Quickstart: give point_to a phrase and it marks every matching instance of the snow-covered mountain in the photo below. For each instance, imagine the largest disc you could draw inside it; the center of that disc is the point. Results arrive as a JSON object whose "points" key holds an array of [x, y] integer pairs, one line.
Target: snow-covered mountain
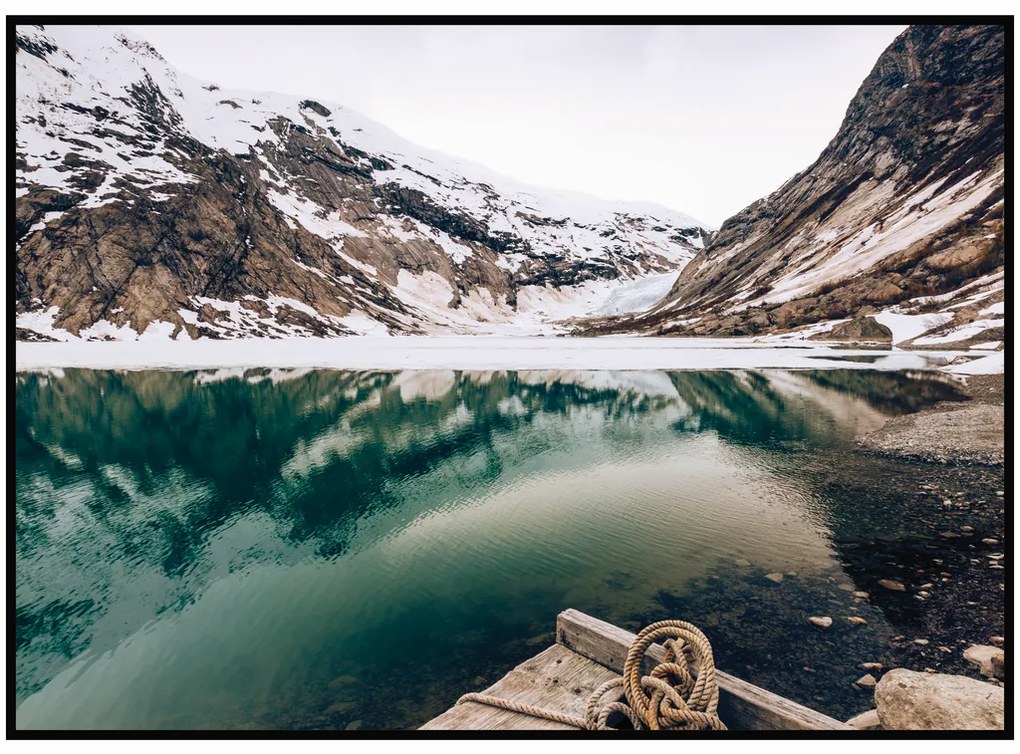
{"points": [[899, 218], [148, 201]]}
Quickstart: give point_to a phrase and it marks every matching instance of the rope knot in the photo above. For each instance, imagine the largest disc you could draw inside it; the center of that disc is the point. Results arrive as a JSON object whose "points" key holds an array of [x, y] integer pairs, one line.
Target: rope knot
{"points": [[680, 693]]}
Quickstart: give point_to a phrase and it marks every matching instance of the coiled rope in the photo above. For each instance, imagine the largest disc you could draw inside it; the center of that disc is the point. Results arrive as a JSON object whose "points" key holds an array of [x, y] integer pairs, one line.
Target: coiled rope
{"points": [[672, 697]]}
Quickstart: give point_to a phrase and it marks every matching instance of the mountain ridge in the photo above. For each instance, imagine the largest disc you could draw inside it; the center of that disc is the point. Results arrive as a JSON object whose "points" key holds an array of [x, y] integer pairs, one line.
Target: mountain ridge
{"points": [[904, 204], [148, 200], [286, 215]]}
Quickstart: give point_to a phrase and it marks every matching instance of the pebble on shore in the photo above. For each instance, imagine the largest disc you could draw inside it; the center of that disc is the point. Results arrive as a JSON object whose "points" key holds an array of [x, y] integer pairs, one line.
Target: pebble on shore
{"points": [[892, 584], [987, 659], [865, 721]]}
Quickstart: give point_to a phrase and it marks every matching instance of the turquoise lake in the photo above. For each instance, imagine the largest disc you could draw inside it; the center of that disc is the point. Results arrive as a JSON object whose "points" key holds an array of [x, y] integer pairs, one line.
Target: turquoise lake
{"points": [[316, 549]]}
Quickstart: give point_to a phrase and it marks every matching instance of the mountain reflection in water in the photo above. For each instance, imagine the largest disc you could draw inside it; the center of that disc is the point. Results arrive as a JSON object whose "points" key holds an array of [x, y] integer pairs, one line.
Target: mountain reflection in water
{"points": [[264, 548]]}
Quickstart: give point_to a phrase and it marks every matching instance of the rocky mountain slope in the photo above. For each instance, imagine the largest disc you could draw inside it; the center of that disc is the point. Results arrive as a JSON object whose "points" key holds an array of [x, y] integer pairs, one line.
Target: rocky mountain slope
{"points": [[150, 202], [900, 217]]}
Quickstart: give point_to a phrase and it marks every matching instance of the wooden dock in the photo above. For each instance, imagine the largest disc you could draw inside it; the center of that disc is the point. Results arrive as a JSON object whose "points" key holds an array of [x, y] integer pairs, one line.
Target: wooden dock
{"points": [[589, 652]]}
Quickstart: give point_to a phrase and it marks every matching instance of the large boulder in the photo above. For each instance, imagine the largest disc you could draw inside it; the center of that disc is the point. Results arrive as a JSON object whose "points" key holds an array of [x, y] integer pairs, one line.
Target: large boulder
{"points": [[861, 329], [935, 701]]}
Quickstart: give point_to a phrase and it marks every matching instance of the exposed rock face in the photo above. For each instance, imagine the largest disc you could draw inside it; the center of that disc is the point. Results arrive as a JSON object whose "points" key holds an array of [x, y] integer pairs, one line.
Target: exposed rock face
{"points": [[934, 701], [144, 196], [906, 202]]}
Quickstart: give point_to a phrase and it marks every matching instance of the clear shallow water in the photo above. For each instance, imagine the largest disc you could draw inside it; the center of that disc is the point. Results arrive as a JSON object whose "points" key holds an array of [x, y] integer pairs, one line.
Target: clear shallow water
{"points": [[316, 549]]}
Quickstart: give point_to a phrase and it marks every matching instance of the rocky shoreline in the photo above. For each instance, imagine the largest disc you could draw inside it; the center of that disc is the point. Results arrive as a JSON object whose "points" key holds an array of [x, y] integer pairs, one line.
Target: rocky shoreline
{"points": [[942, 697], [949, 433]]}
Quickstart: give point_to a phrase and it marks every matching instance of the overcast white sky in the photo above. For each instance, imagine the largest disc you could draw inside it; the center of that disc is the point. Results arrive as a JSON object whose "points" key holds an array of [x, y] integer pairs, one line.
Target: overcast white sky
{"points": [[703, 119]]}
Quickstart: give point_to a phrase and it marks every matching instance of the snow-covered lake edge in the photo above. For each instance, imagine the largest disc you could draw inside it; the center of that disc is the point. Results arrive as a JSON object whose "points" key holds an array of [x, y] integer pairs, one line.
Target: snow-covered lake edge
{"points": [[490, 353]]}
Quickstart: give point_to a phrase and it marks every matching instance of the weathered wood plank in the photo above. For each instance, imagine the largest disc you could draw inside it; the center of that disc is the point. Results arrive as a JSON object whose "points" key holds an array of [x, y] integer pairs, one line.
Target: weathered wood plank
{"points": [[556, 679], [742, 705]]}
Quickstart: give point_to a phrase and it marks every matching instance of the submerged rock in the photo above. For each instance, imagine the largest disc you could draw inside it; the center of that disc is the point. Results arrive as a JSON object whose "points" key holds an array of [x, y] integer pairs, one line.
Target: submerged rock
{"points": [[776, 577], [907, 700], [820, 621], [341, 682], [341, 708]]}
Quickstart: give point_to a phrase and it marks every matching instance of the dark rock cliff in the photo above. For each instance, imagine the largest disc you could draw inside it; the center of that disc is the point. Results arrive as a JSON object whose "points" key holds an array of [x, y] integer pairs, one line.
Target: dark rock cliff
{"points": [[905, 201]]}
